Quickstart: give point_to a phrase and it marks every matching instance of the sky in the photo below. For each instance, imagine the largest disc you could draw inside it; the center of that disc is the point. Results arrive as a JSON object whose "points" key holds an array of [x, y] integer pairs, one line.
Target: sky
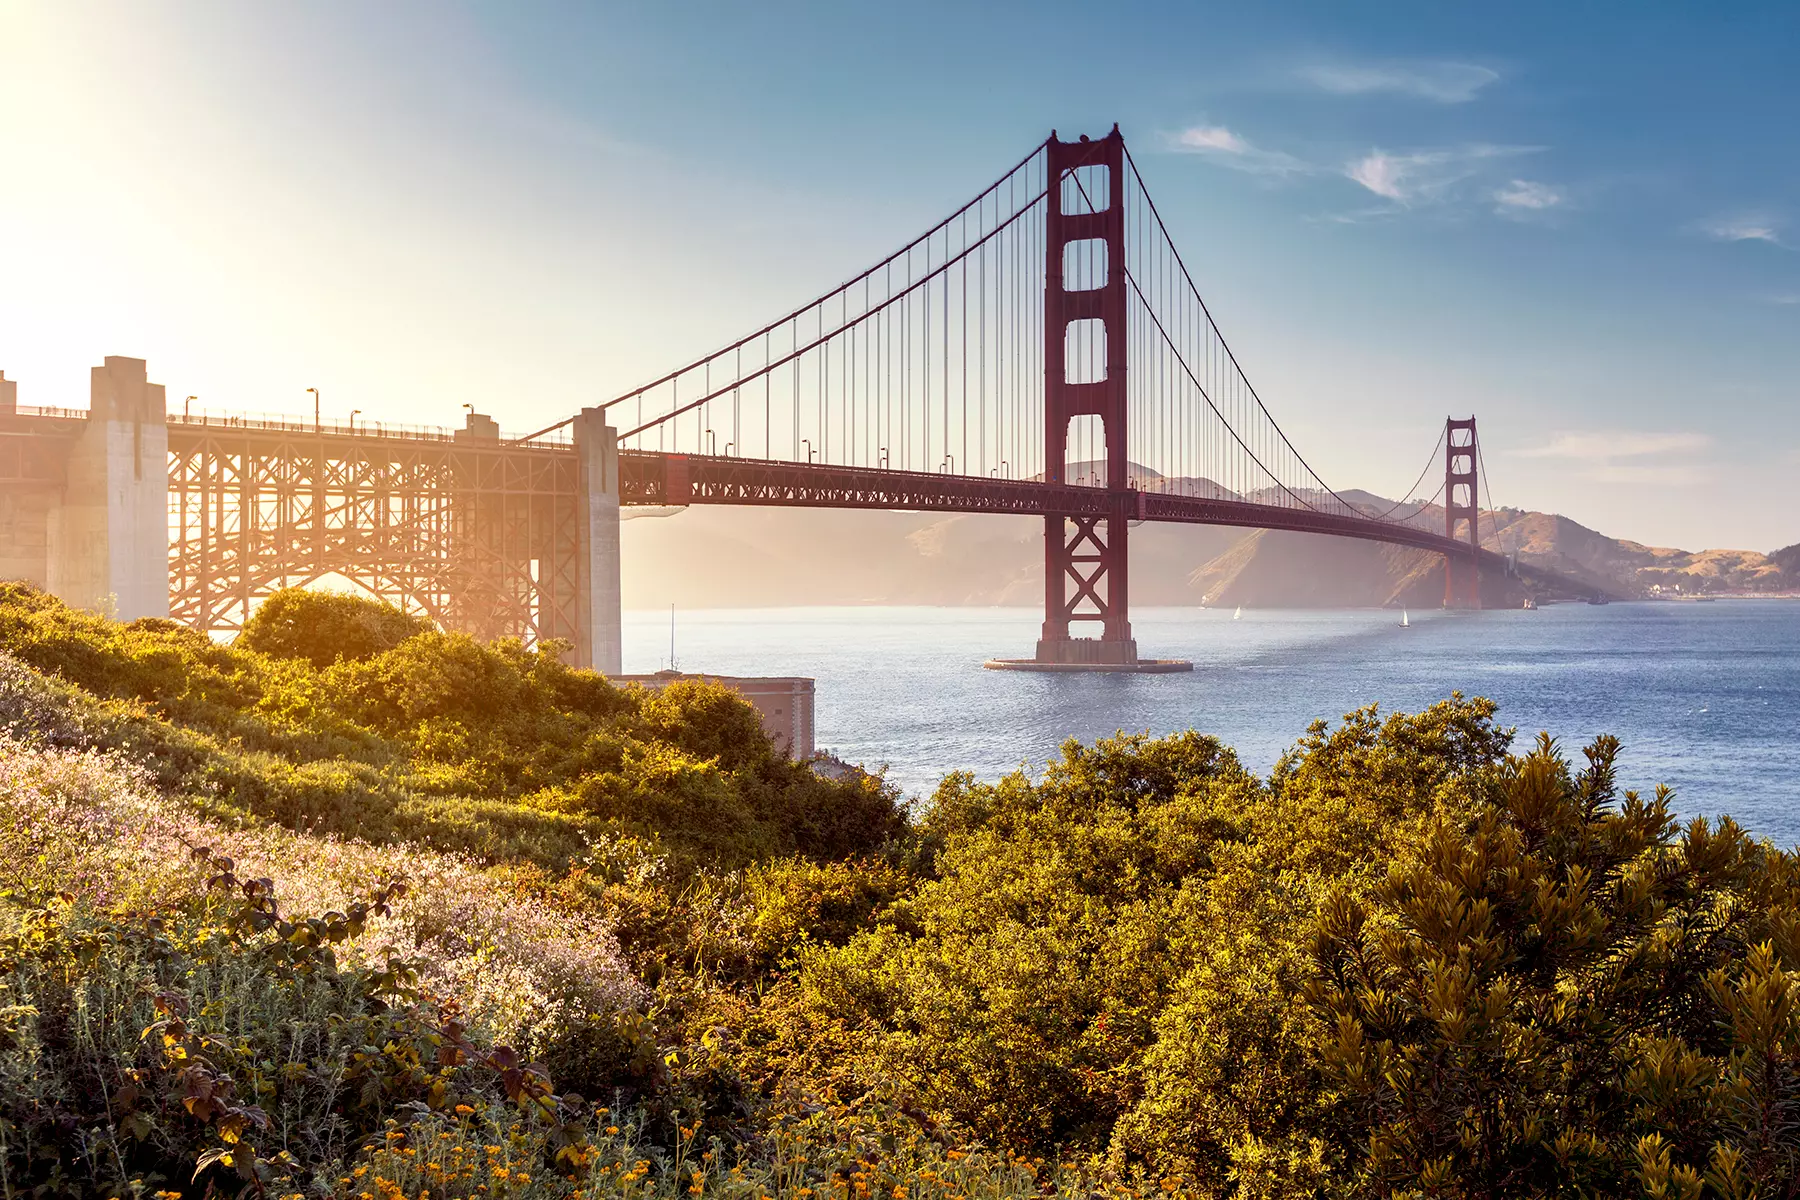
{"points": [[1579, 222]]}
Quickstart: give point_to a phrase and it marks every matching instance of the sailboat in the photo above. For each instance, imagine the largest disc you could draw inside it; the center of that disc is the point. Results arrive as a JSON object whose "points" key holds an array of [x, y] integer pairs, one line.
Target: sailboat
{"points": [[1405, 621], [1239, 614]]}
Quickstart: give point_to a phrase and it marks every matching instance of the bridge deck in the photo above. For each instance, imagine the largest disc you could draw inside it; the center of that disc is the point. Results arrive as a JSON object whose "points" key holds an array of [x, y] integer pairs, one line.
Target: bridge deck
{"points": [[33, 441]]}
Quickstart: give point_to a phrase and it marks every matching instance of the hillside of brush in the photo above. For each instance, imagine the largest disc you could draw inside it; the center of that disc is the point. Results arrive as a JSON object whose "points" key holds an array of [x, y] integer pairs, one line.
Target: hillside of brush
{"points": [[354, 908]]}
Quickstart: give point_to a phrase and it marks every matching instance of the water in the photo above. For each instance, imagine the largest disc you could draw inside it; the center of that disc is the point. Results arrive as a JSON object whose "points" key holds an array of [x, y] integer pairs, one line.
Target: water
{"points": [[1705, 697]]}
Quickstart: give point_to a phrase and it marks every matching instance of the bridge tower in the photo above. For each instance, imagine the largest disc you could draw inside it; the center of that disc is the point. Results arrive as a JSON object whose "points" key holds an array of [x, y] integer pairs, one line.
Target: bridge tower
{"points": [[1462, 578], [1085, 567]]}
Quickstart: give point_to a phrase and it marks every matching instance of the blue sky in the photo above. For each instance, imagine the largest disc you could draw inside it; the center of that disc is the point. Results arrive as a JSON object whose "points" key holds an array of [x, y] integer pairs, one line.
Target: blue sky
{"points": [[1580, 222]]}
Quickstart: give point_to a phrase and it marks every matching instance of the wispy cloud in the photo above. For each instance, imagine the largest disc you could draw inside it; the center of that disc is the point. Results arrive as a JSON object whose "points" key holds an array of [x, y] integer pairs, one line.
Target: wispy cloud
{"points": [[1222, 146], [1743, 227], [1621, 444], [1624, 456], [1525, 196], [1785, 298], [1467, 174], [1425, 176], [1442, 82]]}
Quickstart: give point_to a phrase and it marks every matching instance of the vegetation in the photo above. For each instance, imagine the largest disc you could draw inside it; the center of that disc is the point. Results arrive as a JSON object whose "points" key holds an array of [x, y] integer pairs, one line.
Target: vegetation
{"points": [[499, 751], [356, 908], [1788, 560]]}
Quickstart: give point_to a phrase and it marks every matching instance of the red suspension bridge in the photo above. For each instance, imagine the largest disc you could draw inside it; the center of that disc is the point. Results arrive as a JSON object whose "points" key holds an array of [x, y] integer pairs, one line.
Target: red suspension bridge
{"points": [[1043, 350]]}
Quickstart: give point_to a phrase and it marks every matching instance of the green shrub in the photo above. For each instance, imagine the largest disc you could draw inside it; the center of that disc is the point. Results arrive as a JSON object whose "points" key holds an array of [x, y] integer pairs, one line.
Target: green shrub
{"points": [[496, 750], [1555, 993], [210, 1045], [323, 627], [1112, 959]]}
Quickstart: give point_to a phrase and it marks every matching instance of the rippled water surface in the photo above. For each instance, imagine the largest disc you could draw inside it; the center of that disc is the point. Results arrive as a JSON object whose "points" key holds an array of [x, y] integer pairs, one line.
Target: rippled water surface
{"points": [[1706, 697]]}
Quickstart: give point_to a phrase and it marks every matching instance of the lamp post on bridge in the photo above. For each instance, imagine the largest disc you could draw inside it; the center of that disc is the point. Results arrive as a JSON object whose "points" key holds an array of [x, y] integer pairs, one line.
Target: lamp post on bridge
{"points": [[185, 409], [317, 427], [353, 415]]}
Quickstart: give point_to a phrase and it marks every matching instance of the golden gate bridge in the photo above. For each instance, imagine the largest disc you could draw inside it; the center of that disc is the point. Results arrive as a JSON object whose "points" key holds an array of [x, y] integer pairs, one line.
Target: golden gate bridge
{"points": [[1042, 351]]}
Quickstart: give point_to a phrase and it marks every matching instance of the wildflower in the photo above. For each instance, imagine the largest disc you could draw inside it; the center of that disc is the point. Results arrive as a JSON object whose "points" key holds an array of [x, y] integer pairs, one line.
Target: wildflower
{"points": [[463, 1110]]}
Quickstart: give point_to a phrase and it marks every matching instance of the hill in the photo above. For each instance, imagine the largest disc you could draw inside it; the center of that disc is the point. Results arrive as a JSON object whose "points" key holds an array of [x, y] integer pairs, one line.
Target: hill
{"points": [[355, 909]]}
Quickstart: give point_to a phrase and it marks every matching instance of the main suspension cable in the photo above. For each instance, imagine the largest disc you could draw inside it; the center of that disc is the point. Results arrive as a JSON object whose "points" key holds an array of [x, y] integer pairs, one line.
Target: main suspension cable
{"points": [[1223, 344]]}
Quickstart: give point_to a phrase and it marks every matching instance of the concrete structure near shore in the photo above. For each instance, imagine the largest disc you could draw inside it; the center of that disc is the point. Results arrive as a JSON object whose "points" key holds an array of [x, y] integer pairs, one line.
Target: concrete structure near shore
{"points": [[599, 642], [85, 509], [785, 702]]}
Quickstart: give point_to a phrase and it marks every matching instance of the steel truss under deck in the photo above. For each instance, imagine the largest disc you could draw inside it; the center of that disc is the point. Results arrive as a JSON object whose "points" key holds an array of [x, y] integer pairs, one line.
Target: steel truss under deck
{"points": [[482, 538]]}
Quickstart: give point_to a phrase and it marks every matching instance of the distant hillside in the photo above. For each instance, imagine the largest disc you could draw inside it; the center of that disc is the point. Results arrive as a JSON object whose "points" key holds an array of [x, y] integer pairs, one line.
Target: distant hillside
{"points": [[1557, 542], [725, 557]]}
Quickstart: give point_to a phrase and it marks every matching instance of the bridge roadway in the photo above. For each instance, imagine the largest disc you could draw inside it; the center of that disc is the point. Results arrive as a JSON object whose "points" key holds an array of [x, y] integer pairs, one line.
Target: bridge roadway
{"points": [[651, 478]]}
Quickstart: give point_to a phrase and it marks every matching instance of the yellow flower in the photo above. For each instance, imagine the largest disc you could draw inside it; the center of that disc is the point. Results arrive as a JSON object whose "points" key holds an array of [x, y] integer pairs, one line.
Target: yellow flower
{"points": [[463, 1110], [612, 1129]]}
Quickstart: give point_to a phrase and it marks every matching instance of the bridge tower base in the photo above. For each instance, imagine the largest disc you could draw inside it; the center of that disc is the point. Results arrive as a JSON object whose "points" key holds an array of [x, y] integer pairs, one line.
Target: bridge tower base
{"points": [[108, 539]]}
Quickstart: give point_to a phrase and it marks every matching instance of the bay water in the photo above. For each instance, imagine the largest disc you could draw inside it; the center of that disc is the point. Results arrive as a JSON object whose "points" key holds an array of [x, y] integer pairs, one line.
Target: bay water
{"points": [[1704, 696]]}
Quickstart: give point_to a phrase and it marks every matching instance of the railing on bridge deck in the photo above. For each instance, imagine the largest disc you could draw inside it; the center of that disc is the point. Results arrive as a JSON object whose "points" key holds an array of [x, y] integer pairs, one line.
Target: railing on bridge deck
{"points": [[288, 423]]}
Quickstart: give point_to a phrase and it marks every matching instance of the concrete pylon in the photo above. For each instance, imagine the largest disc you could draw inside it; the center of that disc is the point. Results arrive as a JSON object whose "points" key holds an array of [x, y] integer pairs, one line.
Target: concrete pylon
{"points": [[109, 537], [599, 642]]}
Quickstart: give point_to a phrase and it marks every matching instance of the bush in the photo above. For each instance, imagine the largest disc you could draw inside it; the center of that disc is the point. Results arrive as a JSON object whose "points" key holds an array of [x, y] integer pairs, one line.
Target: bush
{"points": [[496, 750], [1113, 958], [1556, 994], [323, 627], [211, 1045]]}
